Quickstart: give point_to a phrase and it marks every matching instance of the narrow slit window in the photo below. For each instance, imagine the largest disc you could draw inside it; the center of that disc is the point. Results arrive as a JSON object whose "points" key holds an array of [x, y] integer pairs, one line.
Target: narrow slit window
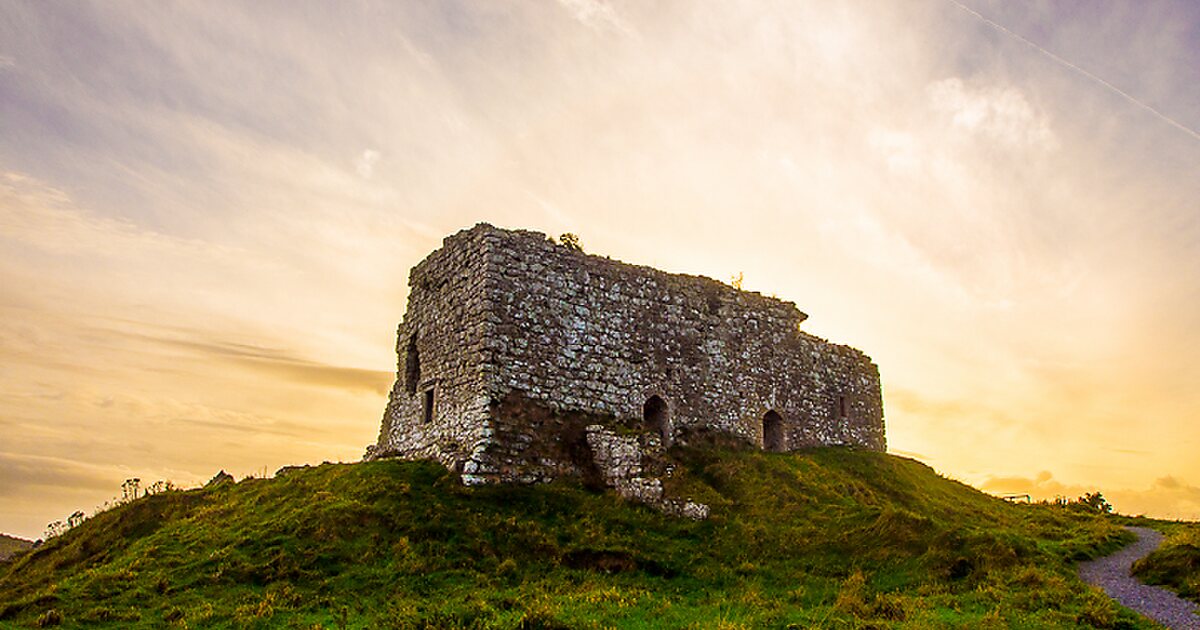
{"points": [[841, 406], [427, 407], [412, 366]]}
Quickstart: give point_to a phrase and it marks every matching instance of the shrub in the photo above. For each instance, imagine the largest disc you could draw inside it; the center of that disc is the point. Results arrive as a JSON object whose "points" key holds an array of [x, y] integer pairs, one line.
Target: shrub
{"points": [[1098, 610], [571, 241]]}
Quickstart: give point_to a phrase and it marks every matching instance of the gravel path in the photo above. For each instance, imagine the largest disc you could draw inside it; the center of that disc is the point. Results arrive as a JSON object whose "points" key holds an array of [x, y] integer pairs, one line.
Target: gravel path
{"points": [[1111, 573]]}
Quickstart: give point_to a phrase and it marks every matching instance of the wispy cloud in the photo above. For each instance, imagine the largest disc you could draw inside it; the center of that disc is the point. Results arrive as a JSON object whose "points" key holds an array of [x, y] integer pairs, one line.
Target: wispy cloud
{"points": [[1000, 113], [365, 164], [597, 14], [281, 364], [22, 473], [1081, 71], [35, 214]]}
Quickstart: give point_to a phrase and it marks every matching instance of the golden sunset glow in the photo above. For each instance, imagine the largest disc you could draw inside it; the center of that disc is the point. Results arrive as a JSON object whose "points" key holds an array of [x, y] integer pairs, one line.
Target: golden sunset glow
{"points": [[208, 212]]}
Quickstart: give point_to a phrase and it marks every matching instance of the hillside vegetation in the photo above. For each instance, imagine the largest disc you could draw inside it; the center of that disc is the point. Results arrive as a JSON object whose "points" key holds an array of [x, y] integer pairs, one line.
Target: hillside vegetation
{"points": [[1176, 564], [10, 545], [830, 538]]}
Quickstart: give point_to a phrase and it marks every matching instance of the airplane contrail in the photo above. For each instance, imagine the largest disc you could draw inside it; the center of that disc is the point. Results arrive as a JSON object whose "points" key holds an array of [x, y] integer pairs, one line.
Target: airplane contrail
{"points": [[1127, 96]]}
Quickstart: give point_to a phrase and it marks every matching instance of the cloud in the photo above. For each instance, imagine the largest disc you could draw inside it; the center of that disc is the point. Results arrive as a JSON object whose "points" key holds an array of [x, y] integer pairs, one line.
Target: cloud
{"points": [[35, 214], [900, 149], [281, 364], [1168, 483], [918, 404], [999, 113], [365, 164], [55, 249], [134, 355], [598, 15], [1167, 497], [350, 379], [7, 62], [38, 489], [1083, 72], [225, 422], [910, 454], [1043, 485], [20, 473]]}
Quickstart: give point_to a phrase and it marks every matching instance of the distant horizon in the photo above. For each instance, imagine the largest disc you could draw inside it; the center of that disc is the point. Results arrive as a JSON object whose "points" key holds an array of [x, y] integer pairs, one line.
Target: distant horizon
{"points": [[208, 213]]}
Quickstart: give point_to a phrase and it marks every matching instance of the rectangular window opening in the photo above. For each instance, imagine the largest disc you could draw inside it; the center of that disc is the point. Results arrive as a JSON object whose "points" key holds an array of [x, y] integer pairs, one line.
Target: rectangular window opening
{"points": [[841, 406], [427, 407]]}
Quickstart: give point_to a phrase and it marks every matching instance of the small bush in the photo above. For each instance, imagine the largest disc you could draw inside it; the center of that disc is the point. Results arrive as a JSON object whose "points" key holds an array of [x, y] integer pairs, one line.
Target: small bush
{"points": [[571, 241], [1098, 610], [857, 600], [852, 598]]}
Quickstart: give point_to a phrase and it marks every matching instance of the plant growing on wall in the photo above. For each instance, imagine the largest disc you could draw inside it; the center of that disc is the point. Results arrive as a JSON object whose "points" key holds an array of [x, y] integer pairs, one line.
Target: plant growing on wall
{"points": [[571, 241]]}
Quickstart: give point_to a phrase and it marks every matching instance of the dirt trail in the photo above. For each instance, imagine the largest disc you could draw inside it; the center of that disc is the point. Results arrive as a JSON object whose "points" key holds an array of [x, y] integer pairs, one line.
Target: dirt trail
{"points": [[1111, 573]]}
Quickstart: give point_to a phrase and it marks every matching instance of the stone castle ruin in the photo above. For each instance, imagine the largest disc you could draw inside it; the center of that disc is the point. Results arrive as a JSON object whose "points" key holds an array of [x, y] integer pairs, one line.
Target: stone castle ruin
{"points": [[522, 360]]}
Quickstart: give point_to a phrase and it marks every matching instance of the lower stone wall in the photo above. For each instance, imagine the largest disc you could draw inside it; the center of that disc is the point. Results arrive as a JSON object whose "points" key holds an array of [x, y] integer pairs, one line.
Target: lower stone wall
{"points": [[623, 464], [525, 442]]}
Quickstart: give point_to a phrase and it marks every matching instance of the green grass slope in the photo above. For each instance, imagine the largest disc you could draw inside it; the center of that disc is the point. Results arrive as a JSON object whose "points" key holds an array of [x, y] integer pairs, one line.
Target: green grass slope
{"points": [[830, 538], [1176, 564], [10, 545]]}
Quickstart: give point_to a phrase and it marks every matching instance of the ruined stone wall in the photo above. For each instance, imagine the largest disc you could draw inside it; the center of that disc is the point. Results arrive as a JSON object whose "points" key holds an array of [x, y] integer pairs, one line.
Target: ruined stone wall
{"points": [[580, 332], [441, 346], [534, 351]]}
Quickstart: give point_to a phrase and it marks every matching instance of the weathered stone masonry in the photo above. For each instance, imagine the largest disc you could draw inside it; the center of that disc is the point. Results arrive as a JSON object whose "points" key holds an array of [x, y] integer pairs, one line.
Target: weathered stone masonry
{"points": [[524, 360]]}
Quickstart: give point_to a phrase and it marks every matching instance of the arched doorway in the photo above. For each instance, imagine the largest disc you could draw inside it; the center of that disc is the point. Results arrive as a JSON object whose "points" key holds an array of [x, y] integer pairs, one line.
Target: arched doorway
{"points": [[654, 417], [772, 432]]}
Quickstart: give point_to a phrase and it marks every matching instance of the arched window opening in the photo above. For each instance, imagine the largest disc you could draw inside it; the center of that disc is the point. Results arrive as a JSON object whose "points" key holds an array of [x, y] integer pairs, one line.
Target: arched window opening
{"points": [[412, 366], [654, 417], [772, 431]]}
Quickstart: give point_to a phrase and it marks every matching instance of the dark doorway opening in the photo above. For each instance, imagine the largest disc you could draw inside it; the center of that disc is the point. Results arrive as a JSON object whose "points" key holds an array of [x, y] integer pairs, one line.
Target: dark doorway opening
{"points": [[427, 407], [773, 438], [654, 417], [412, 366]]}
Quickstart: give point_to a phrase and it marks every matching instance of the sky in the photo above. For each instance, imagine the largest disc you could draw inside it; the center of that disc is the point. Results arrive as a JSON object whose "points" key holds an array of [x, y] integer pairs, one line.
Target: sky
{"points": [[208, 212]]}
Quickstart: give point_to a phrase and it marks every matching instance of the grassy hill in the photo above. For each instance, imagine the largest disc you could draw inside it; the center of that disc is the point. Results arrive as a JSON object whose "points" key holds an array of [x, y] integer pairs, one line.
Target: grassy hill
{"points": [[10, 545], [831, 538]]}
